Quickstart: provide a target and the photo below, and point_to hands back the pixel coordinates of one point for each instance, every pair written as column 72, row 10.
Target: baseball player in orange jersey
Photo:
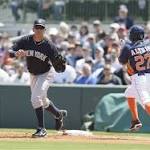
column 136, row 55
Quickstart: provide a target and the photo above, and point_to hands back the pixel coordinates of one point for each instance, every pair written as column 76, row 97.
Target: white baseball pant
column 39, row 87
column 139, row 88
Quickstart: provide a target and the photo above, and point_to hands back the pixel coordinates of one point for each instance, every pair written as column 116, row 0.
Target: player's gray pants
column 39, row 88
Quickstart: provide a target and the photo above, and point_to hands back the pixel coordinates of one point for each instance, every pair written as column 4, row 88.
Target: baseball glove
column 59, row 63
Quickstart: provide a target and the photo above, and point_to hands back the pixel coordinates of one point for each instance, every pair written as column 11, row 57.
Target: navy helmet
column 40, row 22
column 136, row 33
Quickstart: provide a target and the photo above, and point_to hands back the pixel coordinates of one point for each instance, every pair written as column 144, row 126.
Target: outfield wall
column 16, row 110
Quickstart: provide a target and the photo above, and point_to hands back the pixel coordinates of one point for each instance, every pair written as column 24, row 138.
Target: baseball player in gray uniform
column 41, row 55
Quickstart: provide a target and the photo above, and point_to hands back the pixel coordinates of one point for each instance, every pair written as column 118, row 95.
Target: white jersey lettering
column 141, row 50
column 36, row 54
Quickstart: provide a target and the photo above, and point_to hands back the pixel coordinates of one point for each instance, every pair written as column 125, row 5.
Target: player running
column 136, row 55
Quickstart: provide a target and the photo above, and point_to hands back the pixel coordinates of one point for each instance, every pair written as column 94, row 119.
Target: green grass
column 42, row 144
column 26, row 145
column 134, row 134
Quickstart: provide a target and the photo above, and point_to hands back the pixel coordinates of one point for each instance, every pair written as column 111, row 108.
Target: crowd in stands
column 43, row 8
column 90, row 51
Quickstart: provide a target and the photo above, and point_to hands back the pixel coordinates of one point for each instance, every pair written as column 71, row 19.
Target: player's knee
column 36, row 102
column 46, row 102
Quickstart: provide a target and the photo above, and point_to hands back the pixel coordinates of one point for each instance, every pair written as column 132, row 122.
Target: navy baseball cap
column 40, row 22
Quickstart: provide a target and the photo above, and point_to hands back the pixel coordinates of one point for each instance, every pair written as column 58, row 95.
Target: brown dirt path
column 108, row 138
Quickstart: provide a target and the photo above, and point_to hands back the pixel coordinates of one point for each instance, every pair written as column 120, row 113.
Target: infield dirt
column 108, row 138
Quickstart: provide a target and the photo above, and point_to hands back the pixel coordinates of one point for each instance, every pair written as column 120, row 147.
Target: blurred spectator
column 71, row 55
column 59, row 39
column 123, row 18
column 20, row 76
column 43, row 6
column 107, row 45
column 4, row 77
column 86, row 75
column 107, row 77
column 74, row 53
column 147, row 30
column 97, row 27
column 79, row 50
column 9, row 66
column 1, row 50
column 82, row 45
column 99, row 32
column 74, row 31
column 71, row 38
column 96, row 73
column 99, row 60
column 68, row 76
column 91, row 44
column 113, row 56
column 100, row 39
column 40, row 9
column 114, row 27
column 123, row 75
column 84, row 31
column 15, row 5
column 58, row 9
column 53, row 34
column 5, row 45
column 63, row 30
column 64, row 46
column 142, row 5
column 86, row 57
column 122, row 33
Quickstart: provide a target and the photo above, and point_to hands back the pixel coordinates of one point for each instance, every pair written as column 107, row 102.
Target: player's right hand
column 20, row 53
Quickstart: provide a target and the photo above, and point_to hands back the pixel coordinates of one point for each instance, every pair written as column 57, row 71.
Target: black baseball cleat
column 135, row 125
column 59, row 121
column 40, row 132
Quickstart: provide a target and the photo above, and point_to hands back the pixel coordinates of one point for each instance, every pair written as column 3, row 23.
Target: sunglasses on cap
column 39, row 27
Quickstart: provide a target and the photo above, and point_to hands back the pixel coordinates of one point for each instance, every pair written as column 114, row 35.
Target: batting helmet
column 136, row 33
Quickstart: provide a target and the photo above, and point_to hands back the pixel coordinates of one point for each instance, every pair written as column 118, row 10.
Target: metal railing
column 77, row 10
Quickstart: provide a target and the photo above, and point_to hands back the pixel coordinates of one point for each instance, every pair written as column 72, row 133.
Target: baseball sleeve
column 18, row 45
column 57, row 60
column 124, row 55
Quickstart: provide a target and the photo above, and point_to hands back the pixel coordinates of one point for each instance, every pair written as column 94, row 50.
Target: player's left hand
column 59, row 63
